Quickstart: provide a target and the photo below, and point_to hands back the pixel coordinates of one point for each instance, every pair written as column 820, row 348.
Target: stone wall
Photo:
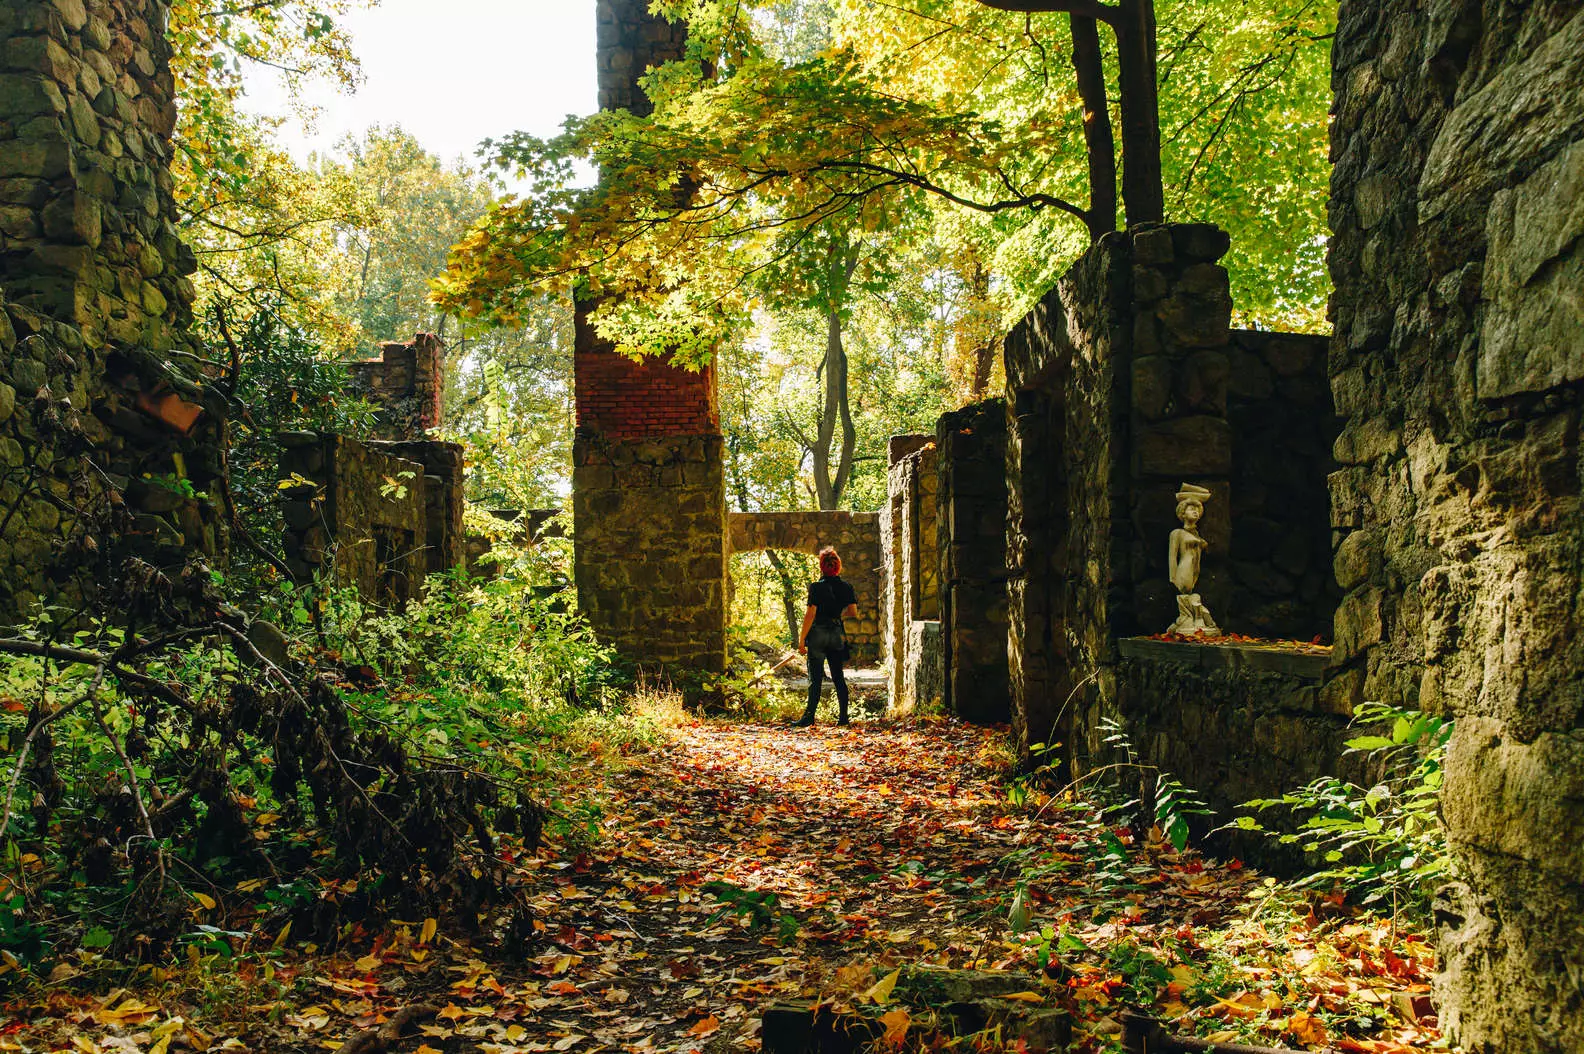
column 1234, row 723
column 630, row 40
column 87, row 215
column 855, row 535
column 445, row 542
column 911, row 609
column 1283, row 424
column 1036, row 521
column 406, row 384
column 360, row 520
column 971, row 502
column 1124, row 383
column 108, row 436
column 1180, row 312
column 1458, row 356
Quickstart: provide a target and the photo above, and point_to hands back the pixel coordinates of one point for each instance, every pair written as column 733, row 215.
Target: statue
column 1183, row 556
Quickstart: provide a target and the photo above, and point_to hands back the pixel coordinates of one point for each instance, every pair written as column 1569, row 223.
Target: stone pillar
column 913, row 638
column 972, row 502
column 1457, row 253
column 648, row 478
column 1036, row 362
column 108, row 444
column 649, row 507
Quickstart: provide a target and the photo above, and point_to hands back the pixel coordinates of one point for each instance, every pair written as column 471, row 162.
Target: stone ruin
column 108, row 437
column 379, row 516
column 1442, row 522
column 856, row 535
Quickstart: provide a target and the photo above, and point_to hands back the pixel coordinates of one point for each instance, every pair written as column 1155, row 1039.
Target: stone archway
column 856, row 535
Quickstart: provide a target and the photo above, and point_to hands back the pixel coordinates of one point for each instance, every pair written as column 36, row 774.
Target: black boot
column 806, row 720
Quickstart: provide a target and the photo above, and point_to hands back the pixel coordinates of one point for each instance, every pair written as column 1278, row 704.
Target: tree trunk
column 1143, row 194
column 789, row 595
column 1089, row 65
column 977, row 335
column 830, row 484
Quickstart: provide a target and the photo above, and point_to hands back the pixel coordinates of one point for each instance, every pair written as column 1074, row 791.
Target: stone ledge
column 1226, row 657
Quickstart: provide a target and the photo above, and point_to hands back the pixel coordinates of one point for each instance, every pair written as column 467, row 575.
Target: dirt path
column 740, row 864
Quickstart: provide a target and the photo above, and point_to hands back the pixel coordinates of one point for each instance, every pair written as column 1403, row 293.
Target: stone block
column 1533, row 338
column 1186, row 446
column 1153, row 246
column 1200, row 242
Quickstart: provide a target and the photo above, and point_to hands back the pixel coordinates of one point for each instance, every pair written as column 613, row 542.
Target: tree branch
column 1107, row 13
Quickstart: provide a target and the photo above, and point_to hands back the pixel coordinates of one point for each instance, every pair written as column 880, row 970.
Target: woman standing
column 823, row 639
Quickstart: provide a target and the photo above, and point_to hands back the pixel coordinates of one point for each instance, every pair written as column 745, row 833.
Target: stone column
column 972, row 499
column 648, row 478
column 1457, row 253
column 1036, row 356
column 1182, row 314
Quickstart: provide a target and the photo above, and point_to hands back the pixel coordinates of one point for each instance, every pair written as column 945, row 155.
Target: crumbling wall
column 971, row 501
column 856, row 535
column 444, row 541
column 1458, row 259
column 1124, row 383
column 108, row 439
column 406, row 384
column 912, row 605
column 359, row 516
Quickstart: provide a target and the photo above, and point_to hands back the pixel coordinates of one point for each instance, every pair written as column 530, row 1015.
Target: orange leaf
column 896, row 1023
column 706, row 1027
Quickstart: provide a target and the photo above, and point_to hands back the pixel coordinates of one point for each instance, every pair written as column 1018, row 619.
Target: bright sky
column 452, row 72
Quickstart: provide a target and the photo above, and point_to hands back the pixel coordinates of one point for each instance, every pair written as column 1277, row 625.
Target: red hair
column 830, row 562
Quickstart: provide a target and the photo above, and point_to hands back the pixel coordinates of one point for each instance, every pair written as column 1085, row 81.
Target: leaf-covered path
column 739, row 864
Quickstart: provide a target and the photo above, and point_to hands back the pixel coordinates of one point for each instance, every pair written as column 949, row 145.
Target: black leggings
column 816, row 673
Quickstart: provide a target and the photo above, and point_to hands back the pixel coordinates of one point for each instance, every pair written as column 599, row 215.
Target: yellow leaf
column 426, row 934
column 568, row 1043
column 206, row 900
column 880, row 991
column 368, row 963
column 1025, row 997
column 896, row 1023
column 280, row 938
column 427, row 1049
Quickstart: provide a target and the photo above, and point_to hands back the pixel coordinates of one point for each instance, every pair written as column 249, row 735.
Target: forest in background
column 830, row 334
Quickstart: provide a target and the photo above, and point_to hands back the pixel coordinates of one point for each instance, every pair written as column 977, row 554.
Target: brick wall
column 623, row 399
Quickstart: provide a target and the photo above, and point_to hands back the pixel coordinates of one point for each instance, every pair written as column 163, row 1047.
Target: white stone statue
column 1183, row 556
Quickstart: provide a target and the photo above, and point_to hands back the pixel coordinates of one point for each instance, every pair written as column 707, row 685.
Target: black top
column 829, row 597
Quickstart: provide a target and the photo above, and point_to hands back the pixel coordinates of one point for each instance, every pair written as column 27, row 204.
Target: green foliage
column 1385, row 841
column 126, row 799
column 761, row 909
column 1168, row 802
